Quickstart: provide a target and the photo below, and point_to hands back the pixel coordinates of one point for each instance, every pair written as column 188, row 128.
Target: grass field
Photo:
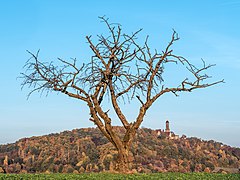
column 106, row 176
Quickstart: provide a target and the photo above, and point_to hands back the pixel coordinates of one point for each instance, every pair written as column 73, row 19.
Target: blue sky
column 208, row 30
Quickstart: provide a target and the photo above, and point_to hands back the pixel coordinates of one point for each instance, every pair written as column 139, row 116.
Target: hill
column 86, row 150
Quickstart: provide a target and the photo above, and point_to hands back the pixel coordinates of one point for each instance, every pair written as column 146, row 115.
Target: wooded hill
column 86, row 150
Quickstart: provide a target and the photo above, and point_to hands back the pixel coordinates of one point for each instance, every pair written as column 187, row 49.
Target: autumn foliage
column 86, row 150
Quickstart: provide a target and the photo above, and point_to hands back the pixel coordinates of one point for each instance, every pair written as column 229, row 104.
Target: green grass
column 173, row 176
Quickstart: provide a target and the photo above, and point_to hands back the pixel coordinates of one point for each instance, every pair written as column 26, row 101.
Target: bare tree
column 121, row 69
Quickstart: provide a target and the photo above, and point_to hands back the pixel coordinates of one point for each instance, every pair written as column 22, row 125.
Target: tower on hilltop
column 167, row 133
column 167, row 130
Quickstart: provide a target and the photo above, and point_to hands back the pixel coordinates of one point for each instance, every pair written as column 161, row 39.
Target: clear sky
column 208, row 29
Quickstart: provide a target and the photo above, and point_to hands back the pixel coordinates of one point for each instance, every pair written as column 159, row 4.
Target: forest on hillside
column 86, row 150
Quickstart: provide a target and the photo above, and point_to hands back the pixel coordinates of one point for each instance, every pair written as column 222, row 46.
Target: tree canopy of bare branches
column 122, row 69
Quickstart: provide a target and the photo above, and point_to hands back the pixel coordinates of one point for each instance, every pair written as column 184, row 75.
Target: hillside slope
column 86, row 150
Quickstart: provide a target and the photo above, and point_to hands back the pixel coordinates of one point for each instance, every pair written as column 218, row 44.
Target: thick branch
column 117, row 108
column 107, row 122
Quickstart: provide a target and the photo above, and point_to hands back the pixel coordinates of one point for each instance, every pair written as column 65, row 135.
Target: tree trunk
column 123, row 162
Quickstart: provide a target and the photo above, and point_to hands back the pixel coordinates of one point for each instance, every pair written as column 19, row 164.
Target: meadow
column 106, row 176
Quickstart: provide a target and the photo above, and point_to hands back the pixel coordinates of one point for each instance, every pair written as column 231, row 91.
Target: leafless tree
column 120, row 68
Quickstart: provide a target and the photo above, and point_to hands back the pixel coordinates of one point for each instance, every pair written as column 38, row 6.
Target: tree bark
column 123, row 161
